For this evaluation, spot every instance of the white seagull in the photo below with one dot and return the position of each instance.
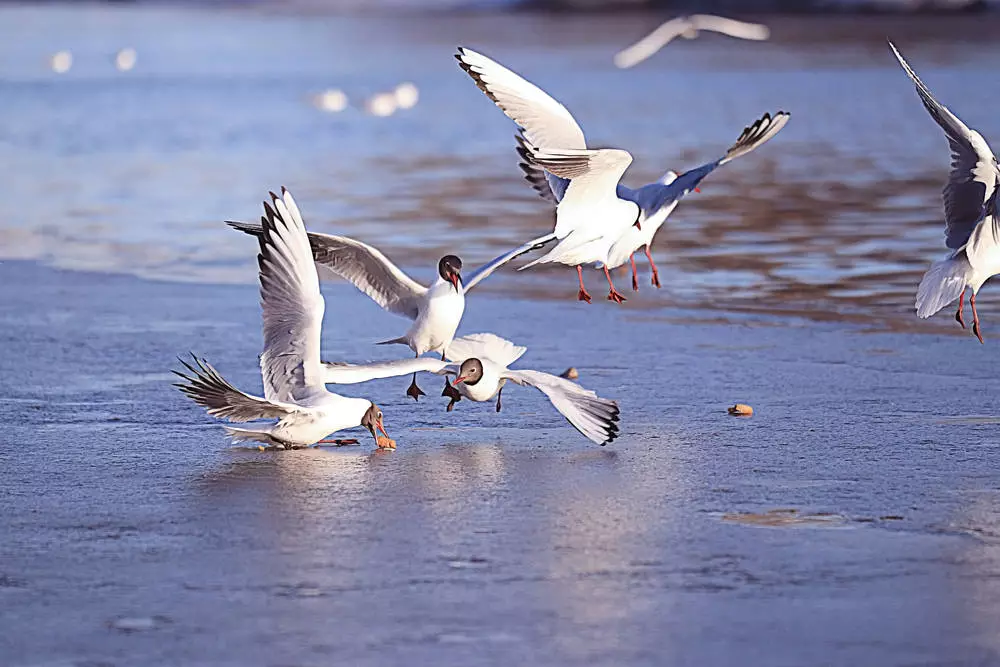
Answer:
(435, 310)
(972, 229)
(554, 152)
(480, 364)
(294, 390)
(688, 28)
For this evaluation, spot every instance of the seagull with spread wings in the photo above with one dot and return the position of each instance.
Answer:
(436, 310)
(594, 211)
(480, 365)
(688, 27)
(294, 390)
(972, 228)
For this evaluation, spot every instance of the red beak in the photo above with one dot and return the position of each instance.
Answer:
(381, 428)
(459, 380)
(453, 277)
(638, 226)
(697, 189)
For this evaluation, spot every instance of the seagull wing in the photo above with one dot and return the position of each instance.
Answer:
(291, 303)
(480, 274)
(544, 121)
(593, 416)
(355, 373)
(548, 186)
(973, 178)
(220, 399)
(731, 27)
(363, 266)
(651, 43)
(485, 346)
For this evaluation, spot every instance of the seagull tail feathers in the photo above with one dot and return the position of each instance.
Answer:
(942, 284)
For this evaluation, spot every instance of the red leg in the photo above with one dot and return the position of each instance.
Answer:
(656, 274)
(635, 277)
(613, 294)
(961, 303)
(582, 295)
(975, 318)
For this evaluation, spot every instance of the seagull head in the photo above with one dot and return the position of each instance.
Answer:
(450, 269)
(373, 420)
(470, 372)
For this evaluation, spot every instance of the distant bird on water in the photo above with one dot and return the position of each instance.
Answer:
(972, 228)
(687, 27)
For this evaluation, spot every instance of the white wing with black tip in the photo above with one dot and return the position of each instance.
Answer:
(593, 416)
(973, 179)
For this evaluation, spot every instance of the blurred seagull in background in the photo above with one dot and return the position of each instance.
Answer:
(687, 27)
(598, 220)
(436, 310)
(61, 61)
(972, 228)
(294, 391)
(480, 364)
(125, 59)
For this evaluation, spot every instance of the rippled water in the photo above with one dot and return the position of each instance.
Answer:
(135, 172)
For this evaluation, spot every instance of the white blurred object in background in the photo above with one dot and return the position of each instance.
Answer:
(61, 62)
(688, 28)
(125, 59)
(382, 104)
(333, 100)
(407, 95)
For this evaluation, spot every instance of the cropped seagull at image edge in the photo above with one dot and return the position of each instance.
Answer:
(435, 310)
(972, 229)
(480, 364)
(598, 220)
(294, 391)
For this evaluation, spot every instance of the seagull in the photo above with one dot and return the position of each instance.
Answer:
(972, 228)
(480, 365)
(687, 27)
(554, 153)
(294, 391)
(656, 200)
(435, 310)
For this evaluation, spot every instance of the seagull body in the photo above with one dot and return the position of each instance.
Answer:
(294, 391)
(554, 154)
(435, 310)
(972, 227)
(480, 364)
(688, 28)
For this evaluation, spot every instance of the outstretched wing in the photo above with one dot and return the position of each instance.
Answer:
(732, 27)
(220, 399)
(593, 416)
(485, 270)
(484, 346)
(651, 43)
(335, 373)
(973, 179)
(593, 178)
(291, 303)
(544, 121)
(363, 266)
